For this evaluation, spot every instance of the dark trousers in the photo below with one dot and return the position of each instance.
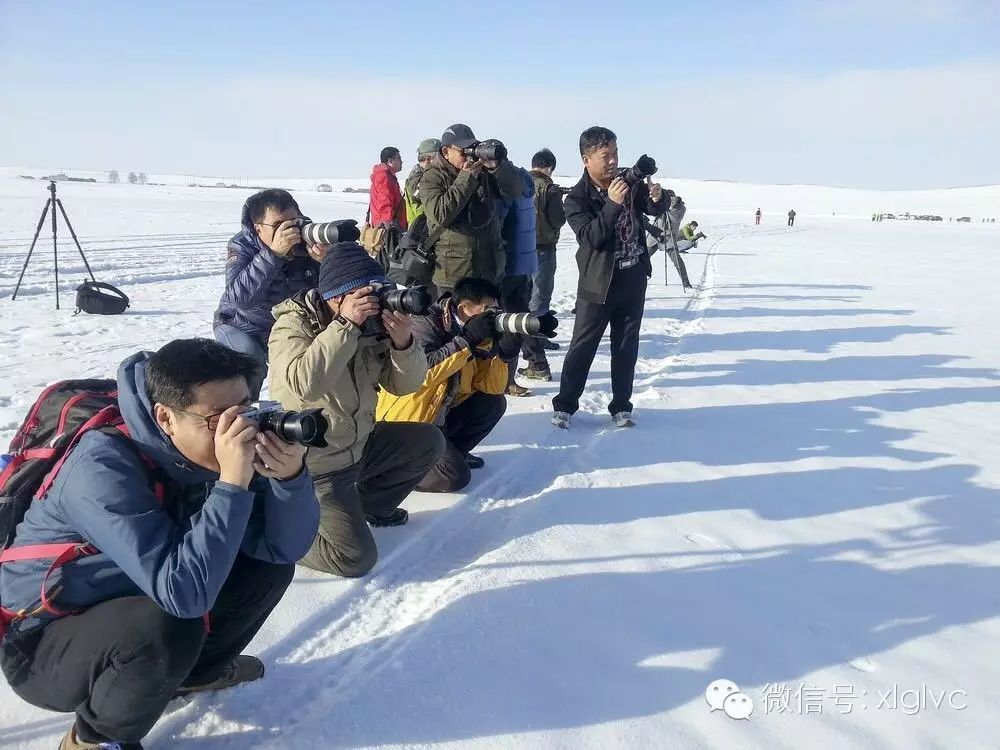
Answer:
(465, 427)
(516, 297)
(623, 310)
(245, 343)
(544, 280)
(678, 261)
(118, 663)
(791, 221)
(396, 457)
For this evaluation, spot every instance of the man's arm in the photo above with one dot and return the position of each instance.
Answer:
(405, 369)
(649, 206)
(306, 364)
(443, 203)
(443, 359)
(554, 211)
(594, 231)
(284, 522)
(110, 503)
(249, 273)
(384, 199)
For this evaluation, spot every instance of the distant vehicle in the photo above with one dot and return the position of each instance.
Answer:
(966, 219)
(324, 188)
(888, 216)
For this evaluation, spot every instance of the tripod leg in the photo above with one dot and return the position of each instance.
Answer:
(27, 260)
(66, 219)
(55, 248)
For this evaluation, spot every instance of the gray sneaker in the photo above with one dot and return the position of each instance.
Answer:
(623, 419)
(561, 419)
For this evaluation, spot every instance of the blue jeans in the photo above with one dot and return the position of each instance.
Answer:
(544, 280)
(246, 343)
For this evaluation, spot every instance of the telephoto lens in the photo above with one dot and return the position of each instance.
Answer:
(306, 427)
(416, 300)
(526, 324)
(330, 232)
(491, 150)
(644, 167)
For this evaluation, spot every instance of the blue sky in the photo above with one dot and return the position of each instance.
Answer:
(885, 93)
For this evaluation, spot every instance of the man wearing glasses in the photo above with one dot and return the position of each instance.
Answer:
(195, 520)
(267, 263)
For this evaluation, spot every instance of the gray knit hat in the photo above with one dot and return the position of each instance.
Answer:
(428, 146)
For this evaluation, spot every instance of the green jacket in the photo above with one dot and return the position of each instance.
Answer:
(549, 213)
(466, 207)
(687, 232)
(318, 361)
(411, 195)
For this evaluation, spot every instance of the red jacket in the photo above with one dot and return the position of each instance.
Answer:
(386, 201)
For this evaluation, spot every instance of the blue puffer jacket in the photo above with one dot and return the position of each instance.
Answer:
(517, 217)
(257, 280)
(178, 554)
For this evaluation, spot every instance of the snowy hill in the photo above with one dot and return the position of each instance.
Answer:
(808, 506)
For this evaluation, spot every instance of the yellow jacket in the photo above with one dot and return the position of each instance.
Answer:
(453, 374)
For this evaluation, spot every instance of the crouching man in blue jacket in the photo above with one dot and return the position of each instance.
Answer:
(197, 520)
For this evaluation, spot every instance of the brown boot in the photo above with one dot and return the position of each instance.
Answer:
(72, 742)
(518, 391)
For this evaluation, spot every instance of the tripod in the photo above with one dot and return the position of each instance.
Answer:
(52, 202)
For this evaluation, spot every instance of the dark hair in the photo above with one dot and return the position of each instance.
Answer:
(694, 223)
(543, 160)
(389, 152)
(472, 289)
(595, 137)
(179, 367)
(258, 203)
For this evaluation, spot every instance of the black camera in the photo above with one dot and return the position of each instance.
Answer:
(329, 232)
(303, 427)
(644, 167)
(415, 300)
(526, 324)
(490, 150)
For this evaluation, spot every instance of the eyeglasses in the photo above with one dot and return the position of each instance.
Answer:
(211, 421)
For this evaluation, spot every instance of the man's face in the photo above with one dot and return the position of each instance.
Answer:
(267, 226)
(396, 163)
(602, 163)
(426, 160)
(467, 310)
(454, 156)
(192, 429)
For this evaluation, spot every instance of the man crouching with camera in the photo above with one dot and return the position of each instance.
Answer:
(333, 348)
(463, 393)
(605, 210)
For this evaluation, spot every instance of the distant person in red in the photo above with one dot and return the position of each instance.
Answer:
(757, 217)
(386, 201)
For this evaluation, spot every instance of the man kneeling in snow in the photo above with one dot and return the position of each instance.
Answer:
(197, 519)
(463, 392)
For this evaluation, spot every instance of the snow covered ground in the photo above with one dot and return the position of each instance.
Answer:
(809, 505)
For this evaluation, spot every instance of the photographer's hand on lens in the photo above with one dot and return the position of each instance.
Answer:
(359, 305)
(399, 327)
(479, 328)
(509, 345)
(287, 237)
(473, 167)
(618, 191)
(318, 252)
(276, 459)
(655, 190)
(235, 438)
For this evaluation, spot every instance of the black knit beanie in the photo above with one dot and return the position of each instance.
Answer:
(346, 267)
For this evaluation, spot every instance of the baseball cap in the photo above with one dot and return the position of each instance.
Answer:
(459, 135)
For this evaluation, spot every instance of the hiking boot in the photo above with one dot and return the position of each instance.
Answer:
(474, 462)
(241, 669)
(623, 419)
(397, 518)
(72, 742)
(518, 391)
(561, 419)
(551, 346)
(535, 373)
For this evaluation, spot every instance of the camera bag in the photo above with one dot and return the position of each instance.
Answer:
(416, 251)
(99, 298)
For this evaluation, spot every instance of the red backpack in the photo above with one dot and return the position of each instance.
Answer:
(61, 415)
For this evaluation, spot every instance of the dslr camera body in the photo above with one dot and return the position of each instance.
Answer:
(415, 300)
(303, 427)
(488, 150)
(644, 167)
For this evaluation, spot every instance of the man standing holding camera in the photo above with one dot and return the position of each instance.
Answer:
(460, 193)
(267, 262)
(335, 348)
(605, 210)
